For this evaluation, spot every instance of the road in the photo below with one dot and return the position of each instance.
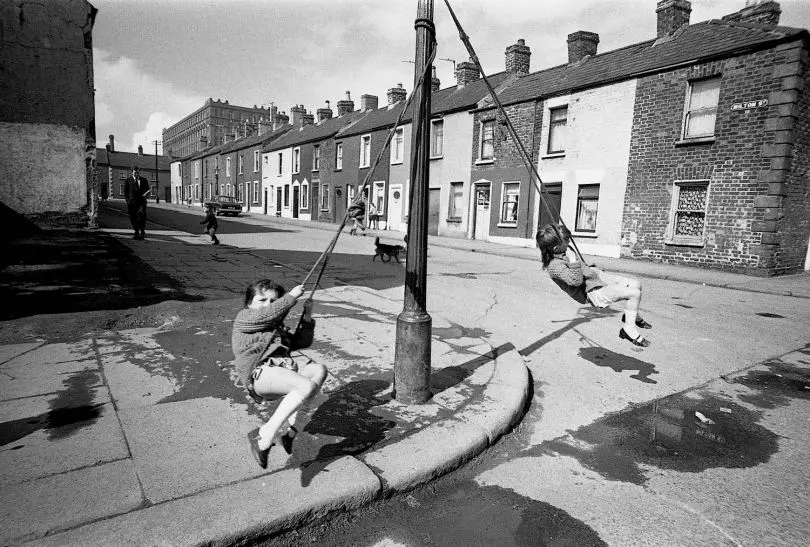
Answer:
(681, 443)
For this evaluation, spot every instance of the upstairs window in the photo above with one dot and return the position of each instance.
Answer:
(397, 146)
(256, 161)
(316, 157)
(701, 108)
(365, 150)
(487, 150)
(197, 169)
(296, 160)
(227, 167)
(437, 139)
(280, 163)
(241, 163)
(558, 119)
(339, 156)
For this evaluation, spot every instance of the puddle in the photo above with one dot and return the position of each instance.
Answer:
(602, 357)
(773, 315)
(776, 386)
(668, 435)
(455, 331)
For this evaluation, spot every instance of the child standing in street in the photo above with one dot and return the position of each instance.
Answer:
(262, 344)
(211, 224)
(587, 284)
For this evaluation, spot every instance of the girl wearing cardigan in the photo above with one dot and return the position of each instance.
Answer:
(261, 345)
(590, 285)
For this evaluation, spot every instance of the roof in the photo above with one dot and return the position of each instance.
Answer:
(697, 42)
(314, 132)
(126, 159)
(262, 139)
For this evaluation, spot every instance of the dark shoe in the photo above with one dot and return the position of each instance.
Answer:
(637, 341)
(640, 323)
(287, 439)
(258, 454)
(215, 242)
(136, 236)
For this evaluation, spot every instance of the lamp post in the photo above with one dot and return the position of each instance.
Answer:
(412, 350)
(157, 175)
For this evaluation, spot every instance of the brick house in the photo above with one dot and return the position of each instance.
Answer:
(114, 168)
(689, 148)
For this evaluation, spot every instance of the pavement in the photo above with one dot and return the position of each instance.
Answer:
(132, 432)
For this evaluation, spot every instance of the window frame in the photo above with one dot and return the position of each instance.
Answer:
(255, 191)
(398, 146)
(197, 169)
(583, 199)
(504, 186)
(286, 196)
(687, 111)
(455, 214)
(256, 161)
(316, 157)
(324, 197)
(241, 163)
(338, 156)
(482, 141)
(365, 151)
(296, 160)
(556, 125)
(671, 237)
(436, 137)
(228, 166)
(280, 163)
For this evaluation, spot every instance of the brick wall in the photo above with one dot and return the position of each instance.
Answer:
(746, 164)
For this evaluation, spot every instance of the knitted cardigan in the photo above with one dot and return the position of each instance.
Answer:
(254, 329)
(576, 279)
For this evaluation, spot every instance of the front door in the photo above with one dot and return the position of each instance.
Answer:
(296, 196)
(481, 216)
(553, 199)
(278, 201)
(433, 211)
(339, 204)
(394, 218)
(265, 201)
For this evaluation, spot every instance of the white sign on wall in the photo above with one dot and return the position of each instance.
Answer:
(748, 105)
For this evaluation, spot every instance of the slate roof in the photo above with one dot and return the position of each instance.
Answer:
(694, 43)
(121, 160)
(263, 139)
(314, 132)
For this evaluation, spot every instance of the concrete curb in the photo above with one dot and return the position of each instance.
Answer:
(258, 508)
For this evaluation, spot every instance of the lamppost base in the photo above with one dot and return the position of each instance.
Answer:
(412, 358)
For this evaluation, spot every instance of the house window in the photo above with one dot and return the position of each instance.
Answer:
(121, 191)
(487, 151)
(365, 150)
(587, 206)
(324, 197)
(316, 157)
(688, 216)
(286, 195)
(510, 196)
(241, 163)
(228, 189)
(255, 191)
(437, 139)
(296, 160)
(256, 161)
(304, 195)
(197, 169)
(221, 189)
(339, 156)
(279, 163)
(379, 197)
(456, 204)
(122, 174)
(397, 146)
(701, 108)
(227, 167)
(558, 118)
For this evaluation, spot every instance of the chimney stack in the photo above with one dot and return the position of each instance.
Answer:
(581, 44)
(466, 72)
(273, 114)
(672, 15)
(112, 143)
(368, 102)
(435, 83)
(309, 119)
(324, 113)
(281, 119)
(396, 94)
(265, 126)
(517, 58)
(758, 12)
(345, 106)
(140, 150)
(297, 113)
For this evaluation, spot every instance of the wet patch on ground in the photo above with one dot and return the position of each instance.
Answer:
(775, 386)
(617, 362)
(677, 433)
(771, 315)
(456, 331)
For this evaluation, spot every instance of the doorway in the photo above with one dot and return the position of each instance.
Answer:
(394, 213)
(553, 198)
(481, 212)
(278, 201)
(339, 204)
(296, 197)
(433, 211)
(265, 201)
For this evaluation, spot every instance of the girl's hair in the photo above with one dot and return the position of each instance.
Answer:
(550, 243)
(260, 286)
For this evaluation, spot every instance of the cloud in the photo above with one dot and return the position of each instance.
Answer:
(126, 95)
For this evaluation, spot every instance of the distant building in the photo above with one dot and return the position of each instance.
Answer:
(215, 123)
(114, 167)
(47, 109)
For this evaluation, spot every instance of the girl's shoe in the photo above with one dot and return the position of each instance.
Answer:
(258, 454)
(288, 438)
(640, 323)
(638, 340)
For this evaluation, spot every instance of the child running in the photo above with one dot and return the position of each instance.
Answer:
(586, 284)
(262, 344)
(211, 224)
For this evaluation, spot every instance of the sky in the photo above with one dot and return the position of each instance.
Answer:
(157, 61)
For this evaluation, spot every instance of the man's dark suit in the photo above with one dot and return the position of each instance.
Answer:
(135, 193)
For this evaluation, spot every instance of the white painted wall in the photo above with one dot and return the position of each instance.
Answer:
(454, 166)
(271, 179)
(597, 151)
(176, 181)
(42, 168)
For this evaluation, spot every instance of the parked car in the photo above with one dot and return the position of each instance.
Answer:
(225, 205)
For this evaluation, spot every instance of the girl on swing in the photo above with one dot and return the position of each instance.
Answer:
(261, 345)
(590, 285)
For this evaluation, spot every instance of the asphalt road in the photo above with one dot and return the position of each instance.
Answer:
(681, 443)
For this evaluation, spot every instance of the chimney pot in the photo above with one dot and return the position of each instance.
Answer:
(758, 12)
(435, 83)
(517, 58)
(581, 44)
(672, 15)
(324, 113)
(346, 105)
(112, 143)
(140, 150)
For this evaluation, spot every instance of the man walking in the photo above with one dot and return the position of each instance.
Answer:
(136, 189)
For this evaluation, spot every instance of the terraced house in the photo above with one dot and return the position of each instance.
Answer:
(688, 148)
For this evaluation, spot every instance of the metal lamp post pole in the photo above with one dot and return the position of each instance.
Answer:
(412, 351)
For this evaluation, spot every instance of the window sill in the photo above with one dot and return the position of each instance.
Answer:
(592, 235)
(436, 157)
(485, 162)
(453, 220)
(324, 210)
(397, 162)
(553, 155)
(684, 243)
(364, 166)
(507, 225)
(316, 170)
(695, 140)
